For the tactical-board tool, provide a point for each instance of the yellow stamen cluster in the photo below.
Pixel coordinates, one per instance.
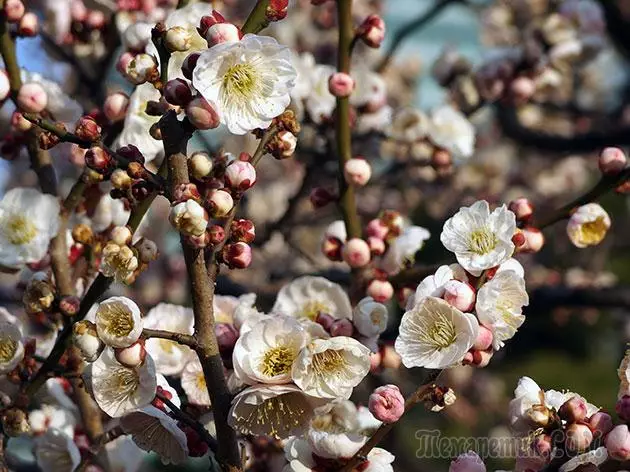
(19, 230)
(482, 241)
(277, 361)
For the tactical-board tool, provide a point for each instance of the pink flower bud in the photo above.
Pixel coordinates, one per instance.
(618, 443)
(188, 66)
(19, 123)
(287, 142)
(32, 98)
(14, 10)
(331, 247)
(320, 197)
(394, 221)
(522, 89)
(441, 159)
(96, 158)
(240, 175)
(482, 358)
(543, 445)
(534, 240)
(380, 290)
(177, 39)
(372, 31)
(5, 85)
(185, 192)
(522, 209)
(220, 203)
(356, 253)
(87, 129)
(387, 404)
(237, 255)
(342, 327)
(484, 339)
(28, 25)
(202, 114)
(623, 407)
(147, 250)
(600, 423)
(115, 106)
(377, 246)
(340, 84)
(131, 356)
(69, 305)
(325, 320)
(357, 172)
(276, 10)
(243, 230)
(579, 437)
(467, 462)
(208, 21)
(95, 19)
(141, 69)
(226, 335)
(377, 229)
(123, 62)
(222, 33)
(78, 11)
(177, 92)
(460, 295)
(216, 234)
(573, 410)
(612, 160)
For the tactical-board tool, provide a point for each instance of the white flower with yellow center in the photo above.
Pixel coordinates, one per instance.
(370, 317)
(307, 296)
(170, 357)
(138, 123)
(335, 430)
(272, 410)
(194, 382)
(29, 219)
(57, 452)
(480, 239)
(11, 347)
(50, 416)
(331, 368)
(226, 305)
(153, 430)
(320, 103)
(451, 130)
(118, 321)
(500, 304)
(119, 262)
(248, 81)
(588, 225)
(266, 353)
(119, 390)
(435, 335)
(402, 250)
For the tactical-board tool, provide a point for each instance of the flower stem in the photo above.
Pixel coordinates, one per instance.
(257, 19)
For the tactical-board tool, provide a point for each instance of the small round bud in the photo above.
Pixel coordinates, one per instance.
(14, 10)
(95, 19)
(121, 235)
(522, 89)
(177, 92)
(131, 153)
(534, 240)
(320, 197)
(189, 64)
(220, 203)
(482, 358)
(97, 159)
(340, 84)
(184, 192)
(28, 26)
(240, 175)
(177, 39)
(19, 123)
(226, 334)
(69, 305)
(201, 114)
(85, 338)
(147, 250)
(87, 129)
(142, 68)
(377, 246)
(331, 247)
(341, 327)
(132, 356)
(209, 20)
(600, 423)
(387, 404)
(78, 10)
(579, 437)
(243, 230)
(612, 160)
(377, 229)
(83, 234)
(356, 253)
(461, 295)
(357, 172)
(623, 407)
(394, 221)
(573, 410)
(237, 255)
(216, 234)
(32, 98)
(276, 10)
(325, 320)
(123, 62)
(441, 159)
(522, 209)
(372, 31)
(189, 218)
(200, 165)
(222, 33)
(484, 339)
(380, 290)
(287, 142)
(115, 106)
(120, 179)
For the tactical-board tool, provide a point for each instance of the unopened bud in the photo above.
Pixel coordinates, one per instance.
(380, 290)
(612, 160)
(131, 153)
(32, 98)
(132, 356)
(28, 26)
(121, 235)
(341, 327)
(177, 39)
(83, 234)
(287, 142)
(19, 123)
(522, 89)
(484, 339)
(372, 31)
(377, 246)
(185, 192)
(276, 10)
(14, 422)
(222, 33)
(87, 129)
(189, 218)
(573, 410)
(340, 84)
(97, 159)
(325, 320)
(226, 334)
(200, 165)
(522, 209)
(534, 240)
(320, 197)
(356, 253)
(243, 230)
(579, 437)
(394, 221)
(69, 305)
(237, 255)
(623, 407)
(357, 171)
(220, 203)
(189, 64)
(201, 114)
(331, 247)
(147, 250)
(216, 234)
(387, 404)
(459, 295)
(618, 443)
(14, 10)
(600, 423)
(177, 92)
(240, 175)
(120, 179)
(115, 106)
(208, 21)
(142, 68)
(482, 358)
(377, 229)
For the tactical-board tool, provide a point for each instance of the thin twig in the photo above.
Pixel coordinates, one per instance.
(180, 338)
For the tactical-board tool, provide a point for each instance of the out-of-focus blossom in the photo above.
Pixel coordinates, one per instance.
(307, 296)
(588, 225)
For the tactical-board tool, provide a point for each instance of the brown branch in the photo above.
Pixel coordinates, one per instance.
(175, 140)
(3, 461)
(180, 338)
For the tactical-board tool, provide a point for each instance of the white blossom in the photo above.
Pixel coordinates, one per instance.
(331, 368)
(118, 389)
(170, 357)
(109, 211)
(266, 353)
(194, 382)
(29, 219)
(118, 321)
(320, 103)
(60, 105)
(335, 430)
(402, 250)
(57, 452)
(119, 262)
(451, 130)
(51, 416)
(435, 335)
(307, 296)
(153, 430)
(500, 304)
(247, 81)
(595, 457)
(189, 218)
(588, 225)
(370, 317)
(434, 285)
(480, 239)
(11, 347)
(272, 410)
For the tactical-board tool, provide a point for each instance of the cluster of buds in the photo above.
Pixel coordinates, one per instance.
(87, 26)
(123, 260)
(282, 145)
(26, 23)
(139, 68)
